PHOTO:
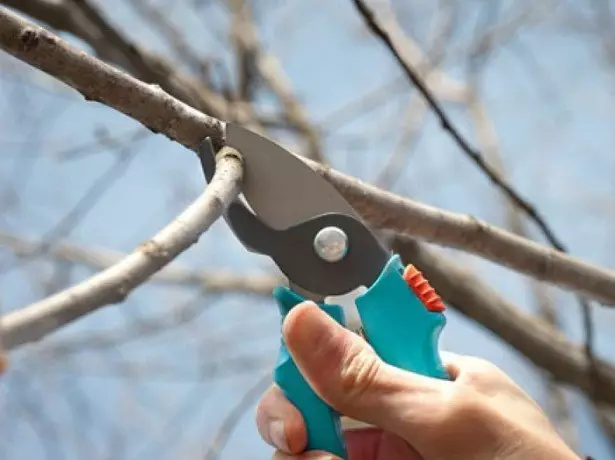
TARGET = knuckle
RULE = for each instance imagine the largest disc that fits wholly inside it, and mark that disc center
(359, 372)
(265, 404)
(479, 369)
(461, 404)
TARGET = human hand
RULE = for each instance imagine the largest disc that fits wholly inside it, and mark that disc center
(479, 414)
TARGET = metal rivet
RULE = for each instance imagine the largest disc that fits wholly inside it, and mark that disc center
(331, 244)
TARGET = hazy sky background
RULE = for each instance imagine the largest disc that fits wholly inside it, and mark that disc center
(549, 92)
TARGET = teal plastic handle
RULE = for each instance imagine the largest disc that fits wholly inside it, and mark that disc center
(402, 331)
(324, 429)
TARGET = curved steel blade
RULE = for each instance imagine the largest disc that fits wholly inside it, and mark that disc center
(280, 188)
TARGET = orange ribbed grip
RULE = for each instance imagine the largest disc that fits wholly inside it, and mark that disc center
(423, 290)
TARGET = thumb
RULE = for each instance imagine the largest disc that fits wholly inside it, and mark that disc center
(344, 371)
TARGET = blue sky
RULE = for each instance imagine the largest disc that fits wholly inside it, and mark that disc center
(550, 96)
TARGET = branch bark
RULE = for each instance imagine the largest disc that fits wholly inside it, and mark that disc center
(86, 23)
(386, 211)
(395, 42)
(161, 112)
(114, 284)
(540, 343)
(557, 404)
(100, 82)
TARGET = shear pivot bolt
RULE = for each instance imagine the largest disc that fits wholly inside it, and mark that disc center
(331, 244)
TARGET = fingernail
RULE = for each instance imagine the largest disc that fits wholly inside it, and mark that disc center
(277, 434)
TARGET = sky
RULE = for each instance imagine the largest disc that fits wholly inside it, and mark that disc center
(549, 93)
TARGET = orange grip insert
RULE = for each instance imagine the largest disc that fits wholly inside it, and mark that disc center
(423, 290)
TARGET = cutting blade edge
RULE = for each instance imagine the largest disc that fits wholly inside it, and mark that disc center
(279, 187)
(308, 295)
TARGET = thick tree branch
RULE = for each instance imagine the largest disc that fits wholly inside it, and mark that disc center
(95, 80)
(114, 284)
(86, 23)
(468, 294)
(541, 343)
(383, 210)
(557, 405)
(393, 42)
(606, 417)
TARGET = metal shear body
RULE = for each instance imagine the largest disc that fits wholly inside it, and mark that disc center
(290, 213)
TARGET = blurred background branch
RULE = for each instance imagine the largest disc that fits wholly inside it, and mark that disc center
(176, 368)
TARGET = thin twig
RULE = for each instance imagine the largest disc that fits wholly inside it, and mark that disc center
(393, 167)
(78, 212)
(417, 108)
(223, 368)
(212, 281)
(380, 31)
(234, 416)
(269, 67)
(103, 140)
(34, 322)
(158, 18)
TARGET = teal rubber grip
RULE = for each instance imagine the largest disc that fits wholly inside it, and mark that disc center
(401, 330)
(324, 430)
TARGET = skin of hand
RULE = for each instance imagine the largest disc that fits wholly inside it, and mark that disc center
(480, 414)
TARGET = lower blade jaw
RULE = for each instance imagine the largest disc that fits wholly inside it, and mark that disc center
(305, 293)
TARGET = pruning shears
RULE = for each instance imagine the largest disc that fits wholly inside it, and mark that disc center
(290, 213)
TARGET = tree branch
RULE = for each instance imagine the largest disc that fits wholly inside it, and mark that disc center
(99, 82)
(392, 41)
(86, 23)
(539, 342)
(386, 211)
(417, 107)
(606, 417)
(159, 18)
(383, 210)
(34, 322)
(172, 274)
(234, 416)
(557, 405)
(394, 166)
(270, 69)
